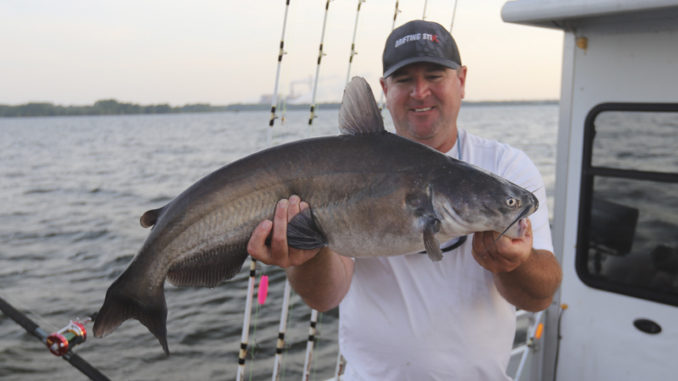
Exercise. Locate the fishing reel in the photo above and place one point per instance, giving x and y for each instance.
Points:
(60, 342)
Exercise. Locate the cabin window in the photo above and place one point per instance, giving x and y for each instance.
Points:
(628, 227)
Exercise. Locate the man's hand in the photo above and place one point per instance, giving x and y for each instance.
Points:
(504, 254)
(279, 253)
(320, 276)
(525, 277)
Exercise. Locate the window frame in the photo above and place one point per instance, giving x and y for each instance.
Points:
(588, 175)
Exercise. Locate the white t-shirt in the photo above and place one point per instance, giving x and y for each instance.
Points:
(409, 318)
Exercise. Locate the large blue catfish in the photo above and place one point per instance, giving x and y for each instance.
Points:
(371, 193)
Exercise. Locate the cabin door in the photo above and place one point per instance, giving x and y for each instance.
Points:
(622, 294)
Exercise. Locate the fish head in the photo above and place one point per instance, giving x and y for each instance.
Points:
(469, 199)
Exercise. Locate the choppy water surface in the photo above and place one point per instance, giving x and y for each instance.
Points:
(72, 192)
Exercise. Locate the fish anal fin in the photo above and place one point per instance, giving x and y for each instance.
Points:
(359, 113)
(431, 244)
(207, 269)
(149, 218)
(124, 303)
(303, 233)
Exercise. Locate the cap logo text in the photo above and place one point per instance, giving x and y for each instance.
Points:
(416, 37)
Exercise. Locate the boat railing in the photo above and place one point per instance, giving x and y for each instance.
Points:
(528, 349)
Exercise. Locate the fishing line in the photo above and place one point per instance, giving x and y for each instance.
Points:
(31, 315)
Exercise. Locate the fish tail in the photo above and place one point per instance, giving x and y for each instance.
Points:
(123, 302)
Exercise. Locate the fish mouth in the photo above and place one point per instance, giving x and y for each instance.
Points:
(526, 212)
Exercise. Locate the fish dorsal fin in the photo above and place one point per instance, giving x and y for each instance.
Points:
(149, 218)
(359, 114)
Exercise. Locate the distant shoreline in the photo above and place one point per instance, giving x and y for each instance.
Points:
(113, 107)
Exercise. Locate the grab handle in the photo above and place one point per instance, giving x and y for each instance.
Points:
(647, 326)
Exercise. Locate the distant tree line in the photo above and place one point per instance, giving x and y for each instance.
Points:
(102, 107)
(113, 107)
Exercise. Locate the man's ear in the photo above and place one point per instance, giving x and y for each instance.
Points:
(461, 74)
(382, 82)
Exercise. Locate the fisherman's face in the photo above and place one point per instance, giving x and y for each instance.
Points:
(424, 101)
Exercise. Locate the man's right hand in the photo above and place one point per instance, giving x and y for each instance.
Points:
(279, 253)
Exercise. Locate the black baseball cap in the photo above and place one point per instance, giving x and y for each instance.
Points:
(420, 41)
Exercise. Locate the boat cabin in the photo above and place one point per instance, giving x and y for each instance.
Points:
(615, 220)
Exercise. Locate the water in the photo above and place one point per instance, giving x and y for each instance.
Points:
(72, 192)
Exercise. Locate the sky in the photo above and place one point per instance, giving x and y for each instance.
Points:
(75, 52)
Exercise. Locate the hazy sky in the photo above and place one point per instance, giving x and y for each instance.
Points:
(225, 51)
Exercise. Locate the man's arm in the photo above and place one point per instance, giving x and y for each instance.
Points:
(323, 281)
(321, 277)
(525, 277)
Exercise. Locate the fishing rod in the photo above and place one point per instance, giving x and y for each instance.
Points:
(281, 52)
(314, 313)
(282, 330)
(395, 16)
(317, 68)
(454, 12)
(353, 51)
(244, 337)
(423, 16)
(280, 344)
(310, 344)
(59, 343)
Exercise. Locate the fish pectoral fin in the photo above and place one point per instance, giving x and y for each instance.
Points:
(303, 233)
(206, 269)
(431, 227)
(149, 218)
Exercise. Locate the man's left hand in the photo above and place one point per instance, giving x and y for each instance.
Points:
(504, 254)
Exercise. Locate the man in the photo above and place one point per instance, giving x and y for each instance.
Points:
(406, 317)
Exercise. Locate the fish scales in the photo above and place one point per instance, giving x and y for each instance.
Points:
(301, 170)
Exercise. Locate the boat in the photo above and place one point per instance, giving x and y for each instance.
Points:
(615, 222)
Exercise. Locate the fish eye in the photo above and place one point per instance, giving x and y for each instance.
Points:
(512, 202)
